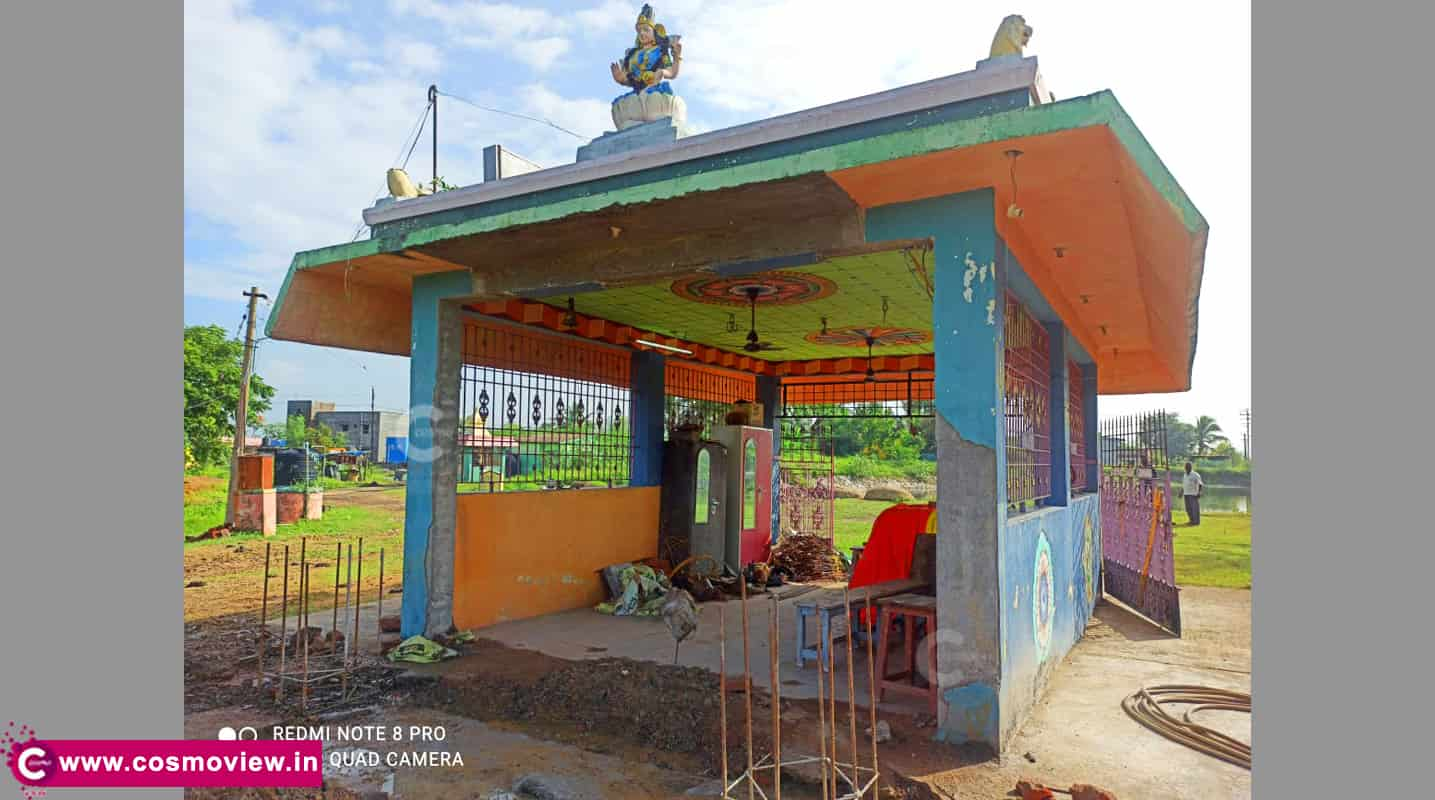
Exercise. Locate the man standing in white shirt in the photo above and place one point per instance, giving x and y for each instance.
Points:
(1191, 487)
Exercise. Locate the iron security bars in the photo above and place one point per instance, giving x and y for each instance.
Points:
(1136, 444)
(1076, 427)
(541, 412)
(1028, 404)
(697, 395)
(908, 396)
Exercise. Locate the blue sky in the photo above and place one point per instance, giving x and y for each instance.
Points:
(294, 111)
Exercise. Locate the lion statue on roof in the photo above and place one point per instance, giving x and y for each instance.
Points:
(1012, 36)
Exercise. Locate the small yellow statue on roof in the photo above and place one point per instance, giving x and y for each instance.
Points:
(1012, 36)
(654, 59)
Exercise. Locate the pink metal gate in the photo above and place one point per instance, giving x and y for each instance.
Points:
(1136, 532)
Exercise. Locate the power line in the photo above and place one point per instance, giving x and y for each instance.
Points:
(539, 120)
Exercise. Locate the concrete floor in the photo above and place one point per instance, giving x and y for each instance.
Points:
(1079, 733)
(585, 634)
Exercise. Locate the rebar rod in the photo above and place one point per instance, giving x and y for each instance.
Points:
(348, 592)
(776, 703)
(832, 707)
(821, 719)
(264, 616)
(358, 592)
(304, 695)
(746, 684)
(283, 630)
(851, 683)
(379, 618)
(334, 626)
(872, 691)
(722, 691)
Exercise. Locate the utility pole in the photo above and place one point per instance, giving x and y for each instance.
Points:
(241, 417)
(1246, 435)
(374, 428)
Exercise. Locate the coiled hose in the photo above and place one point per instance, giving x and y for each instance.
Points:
(1146, 708)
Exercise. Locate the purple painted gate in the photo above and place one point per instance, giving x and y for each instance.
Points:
(1136, 533)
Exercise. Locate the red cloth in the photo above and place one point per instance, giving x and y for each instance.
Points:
(887, 556)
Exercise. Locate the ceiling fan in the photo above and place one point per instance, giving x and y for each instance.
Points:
(754, 345)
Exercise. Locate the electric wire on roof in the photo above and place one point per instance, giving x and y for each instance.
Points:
(549, 123)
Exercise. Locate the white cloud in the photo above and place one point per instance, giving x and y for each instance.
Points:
(530, 35)
(276, 151)
(328, 40)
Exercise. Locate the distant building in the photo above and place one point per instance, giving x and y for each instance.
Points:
(306, 409)
(365, 430)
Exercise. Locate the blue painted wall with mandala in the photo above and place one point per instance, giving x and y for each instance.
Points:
(1043, 597)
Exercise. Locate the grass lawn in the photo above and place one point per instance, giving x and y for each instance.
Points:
(1215, 553)
(230, 571)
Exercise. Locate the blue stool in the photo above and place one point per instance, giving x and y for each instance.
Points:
(824, 614)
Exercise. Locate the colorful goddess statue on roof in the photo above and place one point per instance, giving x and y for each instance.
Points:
(654, 59)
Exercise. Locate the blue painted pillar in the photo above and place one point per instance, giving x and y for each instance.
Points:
(431, 491)
(967, 329)
(1060, 426)
(767, 394)
(648, 376)
(1092, 429)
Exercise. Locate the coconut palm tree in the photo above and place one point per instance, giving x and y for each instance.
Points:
(1208, 434)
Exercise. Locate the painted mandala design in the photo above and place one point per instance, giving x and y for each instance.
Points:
(1043, 605)
(774, 289)
(856, 336)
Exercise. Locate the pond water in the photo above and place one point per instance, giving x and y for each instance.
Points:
(1224, 498)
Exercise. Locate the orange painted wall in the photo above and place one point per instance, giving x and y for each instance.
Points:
(524, 554)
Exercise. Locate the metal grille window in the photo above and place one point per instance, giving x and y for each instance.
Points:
(1076, 426)
(541, 412)
(911, 396)
(1028, 404)
(697, 395)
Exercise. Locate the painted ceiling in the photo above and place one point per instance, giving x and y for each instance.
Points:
(823, 310)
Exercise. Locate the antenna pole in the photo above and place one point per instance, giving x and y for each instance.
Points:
(433, 101)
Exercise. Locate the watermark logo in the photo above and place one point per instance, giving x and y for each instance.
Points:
(228, 734)
(426, 421)
(949, 672)
(30, 760)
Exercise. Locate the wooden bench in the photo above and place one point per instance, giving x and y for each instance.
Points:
(829, 603)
